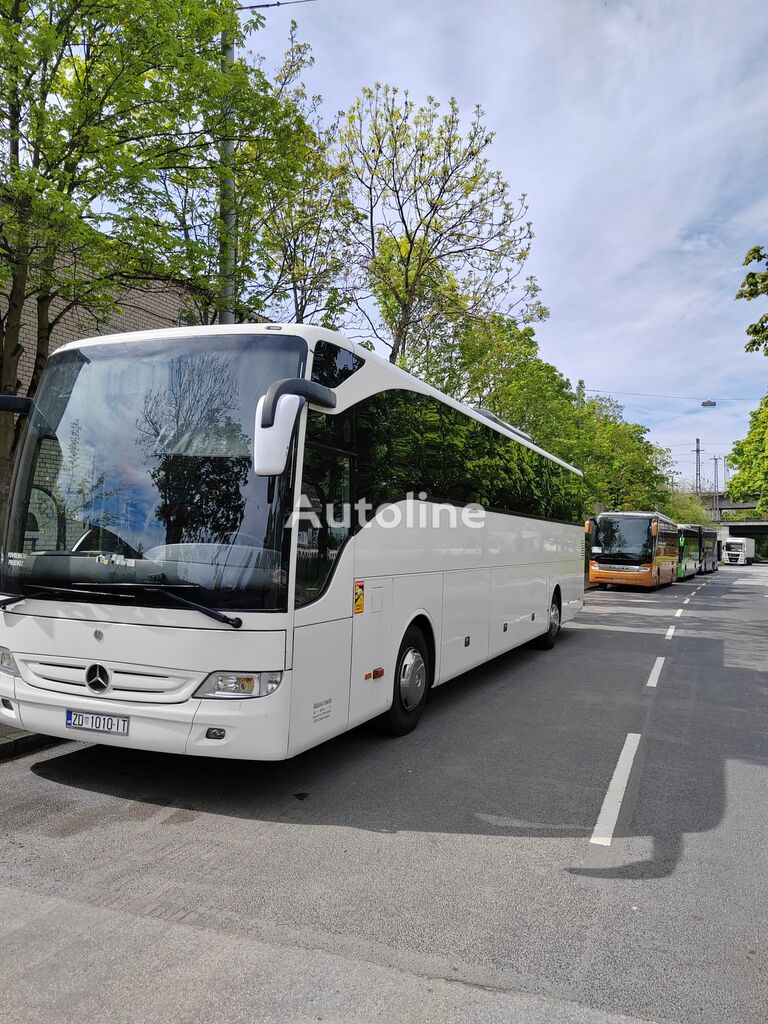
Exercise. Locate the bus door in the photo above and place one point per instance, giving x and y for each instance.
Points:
(322, 639)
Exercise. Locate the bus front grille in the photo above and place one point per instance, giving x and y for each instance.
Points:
(126, 682)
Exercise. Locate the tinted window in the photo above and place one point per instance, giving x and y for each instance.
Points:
(398, 442)
(333, 365)
(408, 442)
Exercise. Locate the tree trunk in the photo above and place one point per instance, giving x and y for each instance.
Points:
(42, 351)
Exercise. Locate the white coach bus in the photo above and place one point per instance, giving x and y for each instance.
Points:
(160, 591)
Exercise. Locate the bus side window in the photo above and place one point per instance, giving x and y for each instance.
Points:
(323, 527)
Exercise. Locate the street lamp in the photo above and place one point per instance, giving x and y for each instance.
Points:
(709, 404)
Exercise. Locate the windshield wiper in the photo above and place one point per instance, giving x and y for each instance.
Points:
(47, 592)
(234, 621)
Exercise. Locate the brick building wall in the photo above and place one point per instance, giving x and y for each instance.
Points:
(141, 310)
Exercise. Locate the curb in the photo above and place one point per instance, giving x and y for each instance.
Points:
(24, 743)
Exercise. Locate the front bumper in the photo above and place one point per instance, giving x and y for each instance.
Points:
(255, 729)
(627, 579)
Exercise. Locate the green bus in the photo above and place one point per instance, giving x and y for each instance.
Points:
(689, 554)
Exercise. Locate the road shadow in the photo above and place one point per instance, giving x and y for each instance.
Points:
(524, 746)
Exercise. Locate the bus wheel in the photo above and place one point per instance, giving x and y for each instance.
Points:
(547, 640)
(412, 676)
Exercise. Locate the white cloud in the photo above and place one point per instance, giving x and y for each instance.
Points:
(638, 130)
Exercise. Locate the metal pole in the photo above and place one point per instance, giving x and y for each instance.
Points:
(698, 466)
(227, 227)
(227, 255)
(715, 495)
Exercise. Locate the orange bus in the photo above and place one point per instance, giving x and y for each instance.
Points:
(638, 549)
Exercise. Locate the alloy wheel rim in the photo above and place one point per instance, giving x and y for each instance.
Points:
(554, 619)
(412, 679)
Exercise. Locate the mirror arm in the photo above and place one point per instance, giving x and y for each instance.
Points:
(16, 403)
(317, 394)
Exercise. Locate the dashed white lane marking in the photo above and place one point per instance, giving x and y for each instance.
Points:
(678, 613)
(670, 633)
(653, 678)
(600, 626)
(609, 812)
(686, 600)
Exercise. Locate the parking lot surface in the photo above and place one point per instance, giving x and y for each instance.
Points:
(575, 835)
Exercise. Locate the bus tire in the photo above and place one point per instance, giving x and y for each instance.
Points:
(547, 640)
(410, 686)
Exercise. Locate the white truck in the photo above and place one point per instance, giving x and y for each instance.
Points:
(739, 551)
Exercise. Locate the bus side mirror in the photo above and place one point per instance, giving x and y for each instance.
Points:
(271, 443)
(655, 528)
(276, 414)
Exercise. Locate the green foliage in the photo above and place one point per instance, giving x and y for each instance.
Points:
(737, 515)
(437, 237)
(754, 285)
(686, 507)
(750, 459)
(494, 363)
(112, 122)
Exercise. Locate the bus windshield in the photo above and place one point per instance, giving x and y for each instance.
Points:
(623, 540)
(135, 474)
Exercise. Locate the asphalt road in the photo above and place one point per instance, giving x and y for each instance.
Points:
(447, 876)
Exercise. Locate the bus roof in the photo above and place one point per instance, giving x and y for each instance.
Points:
(312, 335)
(639, 515)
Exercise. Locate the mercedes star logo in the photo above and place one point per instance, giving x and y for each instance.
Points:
(97, 678)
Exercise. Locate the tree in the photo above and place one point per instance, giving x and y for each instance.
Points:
(750, 459)
(92, 95)
(273, 145)
(494, 363)
(303, 225)
(753, 286)
(686, 507)
(431, 211)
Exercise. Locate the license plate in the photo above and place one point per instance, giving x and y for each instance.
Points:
(97, 723)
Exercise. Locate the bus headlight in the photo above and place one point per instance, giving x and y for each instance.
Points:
(237, 685)
(8, 662)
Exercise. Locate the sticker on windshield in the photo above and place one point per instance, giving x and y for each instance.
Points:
(16, 559)
(359, 596)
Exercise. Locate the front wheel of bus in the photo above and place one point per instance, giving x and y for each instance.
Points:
(412, 676)
(547, 640)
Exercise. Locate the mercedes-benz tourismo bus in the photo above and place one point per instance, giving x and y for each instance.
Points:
(241, 541)
(637, 549)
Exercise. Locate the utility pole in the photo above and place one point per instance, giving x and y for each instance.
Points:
(227, 252)
(697, 449)
(227, 198)
(715, 493)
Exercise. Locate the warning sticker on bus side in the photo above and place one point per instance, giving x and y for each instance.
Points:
(359, 596)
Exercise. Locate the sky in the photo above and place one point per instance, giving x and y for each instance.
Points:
(639, 131)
